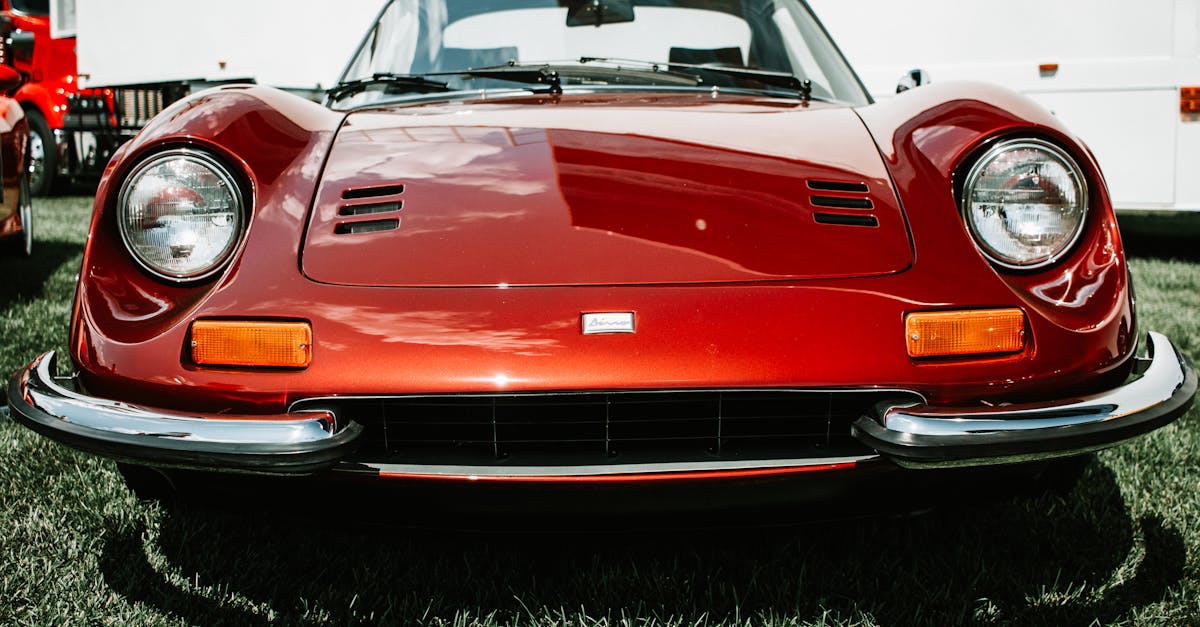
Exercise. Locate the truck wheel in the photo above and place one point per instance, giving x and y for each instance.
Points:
(42, 154)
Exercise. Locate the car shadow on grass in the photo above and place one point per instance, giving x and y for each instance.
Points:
(1045, 558)
(25, 277)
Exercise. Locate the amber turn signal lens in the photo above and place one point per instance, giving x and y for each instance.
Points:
(971, 332)
(251, 343)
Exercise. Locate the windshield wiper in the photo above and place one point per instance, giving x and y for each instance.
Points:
(802, 87)
(550, 74)
(533, 75)
(414, 82)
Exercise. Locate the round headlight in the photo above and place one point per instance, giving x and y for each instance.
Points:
(180, 215)
(1024, 202)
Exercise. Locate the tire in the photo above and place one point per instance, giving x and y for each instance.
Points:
(21, 245)
(43, 155)
(26, 217)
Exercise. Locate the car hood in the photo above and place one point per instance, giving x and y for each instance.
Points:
(603, 191)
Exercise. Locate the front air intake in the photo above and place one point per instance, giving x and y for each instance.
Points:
(587, 428)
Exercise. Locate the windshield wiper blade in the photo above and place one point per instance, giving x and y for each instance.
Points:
(534, 75)
(803, 87)
(414, 81)
(550, 74)
(772, 79)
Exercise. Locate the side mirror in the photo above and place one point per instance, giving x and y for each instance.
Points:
(10, 80)
(913, 78)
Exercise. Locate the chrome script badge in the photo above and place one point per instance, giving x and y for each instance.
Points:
(608, 322)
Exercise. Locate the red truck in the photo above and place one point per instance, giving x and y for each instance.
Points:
(73, 131)
(49, 67)
(86, 95)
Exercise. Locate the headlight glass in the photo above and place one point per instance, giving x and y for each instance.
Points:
(1024, 202)
(180, 215)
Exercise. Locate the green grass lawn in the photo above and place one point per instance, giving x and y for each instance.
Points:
(77, 548)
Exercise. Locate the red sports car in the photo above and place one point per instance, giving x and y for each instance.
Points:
(16, 214)
(603, 241)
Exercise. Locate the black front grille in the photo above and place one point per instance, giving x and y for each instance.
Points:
(612, 427)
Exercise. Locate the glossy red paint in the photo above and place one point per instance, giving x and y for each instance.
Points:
(660, 191)
(130, 330)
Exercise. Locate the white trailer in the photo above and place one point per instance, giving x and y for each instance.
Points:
(1117, 73)
(132, 58)
(292, 44)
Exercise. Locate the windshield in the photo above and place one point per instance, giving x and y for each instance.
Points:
(31, 7)
(710, 39)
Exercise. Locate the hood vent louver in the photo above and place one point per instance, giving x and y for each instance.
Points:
(362, 210)
(852, 196)
(372, 192)
(836, 202)
(368, 226)
(838, 186)
(845, 220)
(376, 203)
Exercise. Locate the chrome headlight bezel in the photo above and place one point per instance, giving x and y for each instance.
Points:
(226, 178)
(1078, 179)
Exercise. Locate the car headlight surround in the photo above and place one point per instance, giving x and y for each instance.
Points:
(180, 214)
(1025, 202)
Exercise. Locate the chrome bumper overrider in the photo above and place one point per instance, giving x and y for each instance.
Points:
(300, 443)
(923, 436)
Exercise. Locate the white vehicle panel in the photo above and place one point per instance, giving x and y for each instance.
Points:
(289, 44)
(1110, 70)
(1125, 143)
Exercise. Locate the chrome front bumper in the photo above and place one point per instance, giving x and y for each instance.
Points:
(288, 444)
(927, 436)
(911, 435)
